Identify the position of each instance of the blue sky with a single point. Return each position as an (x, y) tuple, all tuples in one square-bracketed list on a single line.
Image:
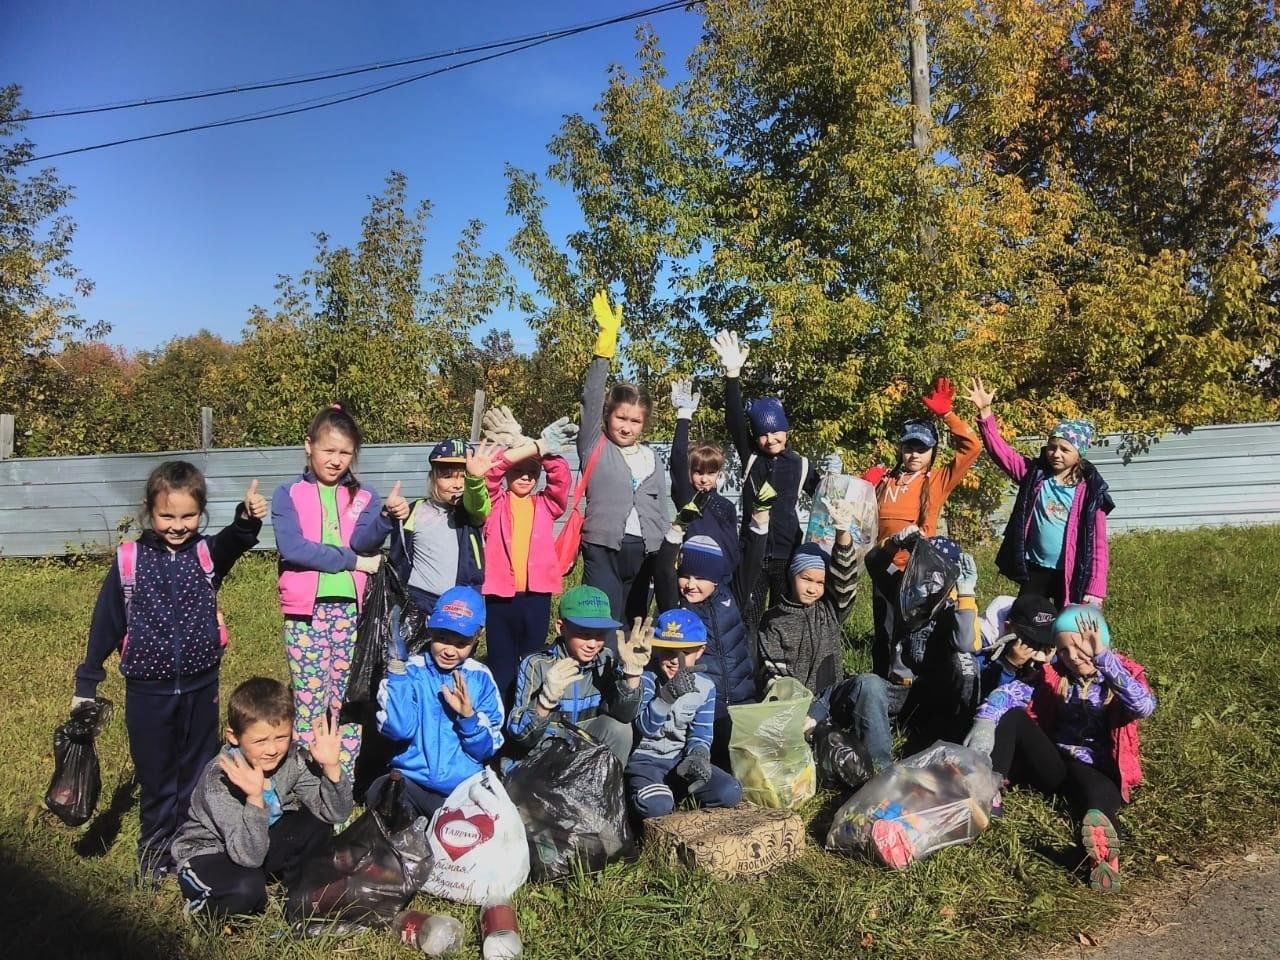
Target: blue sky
[(190, 231)]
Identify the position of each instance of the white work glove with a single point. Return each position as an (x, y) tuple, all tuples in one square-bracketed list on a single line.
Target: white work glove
[(500, 426), (563, 674), (832, 466), (967, 585), (684, 399), (369, 565), (733, 357), (841, 512), (982, 737), (634, 652), (557, 437)]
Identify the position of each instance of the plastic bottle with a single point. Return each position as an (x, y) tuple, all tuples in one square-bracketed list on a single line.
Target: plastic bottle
[(501, 932), (433, 934)]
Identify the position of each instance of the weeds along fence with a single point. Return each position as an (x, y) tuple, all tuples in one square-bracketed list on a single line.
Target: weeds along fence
[(54, 506)]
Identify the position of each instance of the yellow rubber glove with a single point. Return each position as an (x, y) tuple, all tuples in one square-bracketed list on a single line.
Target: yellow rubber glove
[(609, 320)]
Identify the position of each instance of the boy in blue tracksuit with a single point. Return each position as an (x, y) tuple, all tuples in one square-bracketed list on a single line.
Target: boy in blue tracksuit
[(441, 708), (676, 720)]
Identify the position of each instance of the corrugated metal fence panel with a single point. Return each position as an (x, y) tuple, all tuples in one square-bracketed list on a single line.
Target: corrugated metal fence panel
[(48, 506)]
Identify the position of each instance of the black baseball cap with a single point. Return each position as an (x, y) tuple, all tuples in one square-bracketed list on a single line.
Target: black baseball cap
[(1031, 618)]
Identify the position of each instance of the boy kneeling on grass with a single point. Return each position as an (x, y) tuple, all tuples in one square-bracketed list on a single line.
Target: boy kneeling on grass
[(676, 721), (262, 806), (440, 708), (579, 680)]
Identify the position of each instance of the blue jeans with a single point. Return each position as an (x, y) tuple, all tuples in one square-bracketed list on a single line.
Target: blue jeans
[(866, 704)]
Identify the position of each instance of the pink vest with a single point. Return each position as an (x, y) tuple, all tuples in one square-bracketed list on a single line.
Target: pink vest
[(298, 587)]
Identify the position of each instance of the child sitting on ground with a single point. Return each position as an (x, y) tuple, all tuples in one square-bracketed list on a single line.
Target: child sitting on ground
[(926, 674), (673, 759), (262, 806), (801, 635), (579, 680), (1055, 543), (695, 479), (520, 570), (437, 544), (1072, 731), (1017, 638), (440, 709)]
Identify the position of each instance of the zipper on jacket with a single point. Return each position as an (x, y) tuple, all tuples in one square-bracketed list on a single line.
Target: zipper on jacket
[(177, 641)]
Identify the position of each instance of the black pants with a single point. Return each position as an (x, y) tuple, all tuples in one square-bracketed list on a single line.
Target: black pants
[(514, 628), (215, 884), (1045, 583), (1024, 753), (625, 575), (171, 739), (417, 800)]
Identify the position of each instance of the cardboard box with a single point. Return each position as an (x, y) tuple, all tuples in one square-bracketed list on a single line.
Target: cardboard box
[(742, 842)]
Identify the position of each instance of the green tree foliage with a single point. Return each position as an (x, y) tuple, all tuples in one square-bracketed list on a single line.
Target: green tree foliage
[(38, 284)]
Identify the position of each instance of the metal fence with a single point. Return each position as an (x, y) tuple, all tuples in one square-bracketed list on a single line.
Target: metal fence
[(1217, 475)]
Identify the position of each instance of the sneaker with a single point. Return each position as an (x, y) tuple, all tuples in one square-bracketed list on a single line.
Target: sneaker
[(1102, 843), (891, 844)]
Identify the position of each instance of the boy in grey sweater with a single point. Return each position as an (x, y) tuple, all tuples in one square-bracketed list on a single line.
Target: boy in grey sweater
[(262, 806)]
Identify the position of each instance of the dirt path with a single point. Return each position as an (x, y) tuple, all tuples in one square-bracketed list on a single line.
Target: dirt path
[(1232, 911)]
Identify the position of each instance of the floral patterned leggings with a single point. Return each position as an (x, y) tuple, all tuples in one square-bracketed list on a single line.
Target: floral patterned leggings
[(319, 654)]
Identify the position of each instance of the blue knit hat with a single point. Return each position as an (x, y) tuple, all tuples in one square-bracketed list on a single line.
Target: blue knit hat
[(702, 557), (808, 556), (766, 416), (1066, 621), (1078, 433)]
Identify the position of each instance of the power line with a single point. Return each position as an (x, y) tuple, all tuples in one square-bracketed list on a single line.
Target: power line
[(298, 79)]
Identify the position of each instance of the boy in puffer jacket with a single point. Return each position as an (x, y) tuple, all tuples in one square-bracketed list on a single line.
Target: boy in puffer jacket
[(694, 575)]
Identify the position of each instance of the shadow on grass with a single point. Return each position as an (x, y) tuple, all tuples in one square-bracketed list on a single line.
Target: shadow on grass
[(49, 916), (102, 833)]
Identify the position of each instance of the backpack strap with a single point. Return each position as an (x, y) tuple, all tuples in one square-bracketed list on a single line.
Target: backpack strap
[(206, 560), (585, 477), (127, 565)]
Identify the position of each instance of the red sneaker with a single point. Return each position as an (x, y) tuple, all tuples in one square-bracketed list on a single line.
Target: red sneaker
[(1102, 844)]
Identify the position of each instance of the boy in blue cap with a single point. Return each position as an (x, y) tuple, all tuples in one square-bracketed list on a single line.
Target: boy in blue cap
[(441, 708), (579, 680), (438, 543), (676, 719)]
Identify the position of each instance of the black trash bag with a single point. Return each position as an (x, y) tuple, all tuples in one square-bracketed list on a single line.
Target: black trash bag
[(841, 756), (571, 796), (77, 780), (928, 580), (366, 874), (389, 623)]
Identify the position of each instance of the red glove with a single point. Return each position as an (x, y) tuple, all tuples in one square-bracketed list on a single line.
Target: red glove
[(875, 474), (939, 402)]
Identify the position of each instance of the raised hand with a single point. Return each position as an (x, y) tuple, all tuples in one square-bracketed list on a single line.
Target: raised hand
[(634, 651), (940, 400), (875, 474), (557, 436), (608, 323), (396, 506), (243, 775), (459, 697), (560, 676), (326, 746), (967, 585), (254, 503), (1090, 634), (832, 465), (480, 458), (733, 356), (684, 682), (981, 397), (685, 399), (500, 426), (841, 512)]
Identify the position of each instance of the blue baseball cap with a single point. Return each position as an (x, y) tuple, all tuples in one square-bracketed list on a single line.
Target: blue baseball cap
[(678, 630), (449, 451), (920, 430), (459, 610)]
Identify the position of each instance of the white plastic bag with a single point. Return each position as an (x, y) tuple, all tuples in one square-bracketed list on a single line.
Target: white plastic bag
[(478, 844)]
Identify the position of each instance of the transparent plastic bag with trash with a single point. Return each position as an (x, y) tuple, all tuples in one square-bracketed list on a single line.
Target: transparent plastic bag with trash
[(767, 749), (366, 874), (937, 798)]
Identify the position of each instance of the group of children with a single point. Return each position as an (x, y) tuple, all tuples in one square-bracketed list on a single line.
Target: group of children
[(740, 603)]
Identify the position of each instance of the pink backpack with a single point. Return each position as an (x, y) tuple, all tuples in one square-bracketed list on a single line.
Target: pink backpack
[(127, 565)]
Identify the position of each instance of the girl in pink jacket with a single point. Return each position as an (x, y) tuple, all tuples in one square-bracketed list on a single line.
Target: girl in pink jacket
[(321, 578), (520, 568)]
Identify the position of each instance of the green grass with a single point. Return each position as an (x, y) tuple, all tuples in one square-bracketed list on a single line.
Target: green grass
[(1199, 609)]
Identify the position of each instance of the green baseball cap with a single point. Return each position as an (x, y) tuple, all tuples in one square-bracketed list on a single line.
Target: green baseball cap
[(587, 607)]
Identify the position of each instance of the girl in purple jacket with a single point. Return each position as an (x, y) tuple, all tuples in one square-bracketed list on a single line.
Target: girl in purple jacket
[(1055, 543), (321, 578)]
